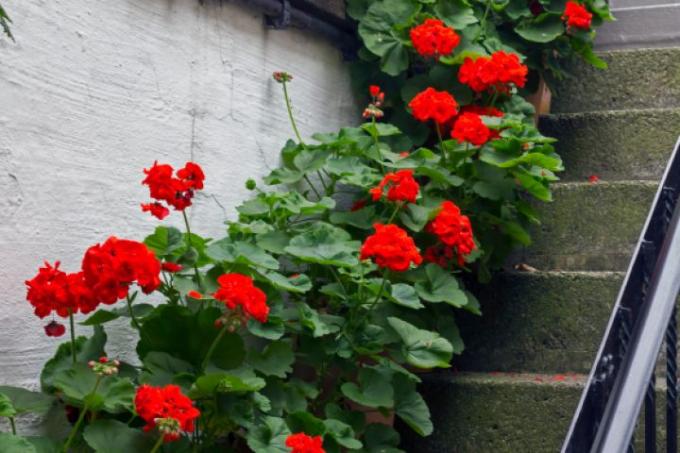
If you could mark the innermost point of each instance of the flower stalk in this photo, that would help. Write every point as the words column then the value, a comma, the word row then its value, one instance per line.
column 81, row 417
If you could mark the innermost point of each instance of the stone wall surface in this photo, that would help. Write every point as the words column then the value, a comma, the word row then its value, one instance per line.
column 95, row 90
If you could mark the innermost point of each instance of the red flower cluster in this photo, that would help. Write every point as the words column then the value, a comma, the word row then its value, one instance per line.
column 454, row 231
column 577, row 16
column 434, row 39
column 391, row 248
column 53, row 290
column 482, row 111
column 302, row 443
column 497, row 71
column 238, row 290
column 167, row 408
column 176, row 191
column 430, row 104
column 401, row 186
column 470, row 128
column 110, row 268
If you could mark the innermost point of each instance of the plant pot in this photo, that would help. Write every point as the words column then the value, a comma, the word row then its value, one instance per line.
column 540, row 99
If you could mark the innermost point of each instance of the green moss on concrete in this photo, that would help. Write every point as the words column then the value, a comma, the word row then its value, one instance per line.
column 615, row 145
column 640, row 78
column 497, row 413
column 589, row 226
column 545, row 322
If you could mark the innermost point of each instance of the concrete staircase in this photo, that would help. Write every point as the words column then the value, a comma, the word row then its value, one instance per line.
column 516, row 387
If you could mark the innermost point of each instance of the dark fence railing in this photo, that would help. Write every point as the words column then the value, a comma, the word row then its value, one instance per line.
column 623, row 376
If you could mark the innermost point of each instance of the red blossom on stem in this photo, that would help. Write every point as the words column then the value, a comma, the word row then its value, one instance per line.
column 470, row 128
column 498, row 71
column 176, row 191
column 391, row 248
column 166, row 408
column 434, row 39
column 237, row 290
column 454, row 230
column 430, row 104
column 302, row 443
column 400, row 185
column 577, row 16
column 54, row 291
column 171, row 267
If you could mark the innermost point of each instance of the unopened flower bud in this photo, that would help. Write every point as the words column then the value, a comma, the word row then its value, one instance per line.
column 282, row 77
column 250, row 184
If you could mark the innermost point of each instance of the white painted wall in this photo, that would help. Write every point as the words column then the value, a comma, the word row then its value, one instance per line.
column 95, row 90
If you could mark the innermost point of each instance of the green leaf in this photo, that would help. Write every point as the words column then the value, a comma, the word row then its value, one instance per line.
column 406, row 296
column 188, row 336
column 9, row 443
column 112, row 436
column 6, row 407
column 325, row 244
column 317, row 323
column 87, row 349
column 273, row 329
column 455, row 13
column 422, row 348
column 25, row 401
column 44, row 444
column 415, row 217
column 298, row 283
column 269, row 436
column 342, row 433
column 545, row 28
column 164, row 241
column 489, row 190
column 411, row 407
column 114, row 394
column 100, row 317
column 381, row 439
column 304, row 422
column 373, row 389
column 362, row 218
column 440, row 286
column 274, row 242
column 532, row 185
column 241, row 252
column 210, row 384
column 381, row 129
column 161, row 368
column 275, row 360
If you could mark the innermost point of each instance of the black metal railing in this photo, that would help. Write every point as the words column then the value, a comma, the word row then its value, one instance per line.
column 623, row 376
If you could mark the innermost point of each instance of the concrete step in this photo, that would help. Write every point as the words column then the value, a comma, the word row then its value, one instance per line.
column 497, row 412
column 635, row 79
column 507, row 413
column 614, row 145
column 591, row 227
column 541, row 322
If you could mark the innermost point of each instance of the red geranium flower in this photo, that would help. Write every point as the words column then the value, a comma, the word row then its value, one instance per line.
column 53, row 290
column 576, row 15
column 470, row 128
column 374, row 90
column 176, row 191
column 195, row 294
column 237, row 290
column 498, row 71
column 166, row 408
column 55, row 329
column 391, row 248
column 302, row 443
column 110, row 268
column 401, row 186
column 434, row 39
column 454, row 231
column 156, row 209
column 593, row 179
column 430, row 104
column 171, row 267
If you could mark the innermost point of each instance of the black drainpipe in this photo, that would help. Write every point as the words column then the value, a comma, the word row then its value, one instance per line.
column 305, row 15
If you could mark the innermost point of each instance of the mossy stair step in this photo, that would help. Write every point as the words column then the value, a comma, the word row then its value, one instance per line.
column 589, row 226
column 614, row 145
column 506, row 413
column 635, row 79
column 541, row 322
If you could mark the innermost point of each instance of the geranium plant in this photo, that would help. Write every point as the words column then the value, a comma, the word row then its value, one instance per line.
column 305, row 327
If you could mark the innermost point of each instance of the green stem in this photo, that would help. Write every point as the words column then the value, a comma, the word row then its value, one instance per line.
column 377, row 297
column 132, row 315
column 493, row 98
column 377, row 145
column 482, row 23
column 441, row 142
column 186, row 223
column 157, row 445
column 290, row 114
column 316, row 192
column 81, row 417
column 394, row 213
column 13, row 425
column 212, row 347
column 73, row 335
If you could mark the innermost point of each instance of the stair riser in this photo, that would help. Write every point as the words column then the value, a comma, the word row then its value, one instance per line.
column 537, row 322
column 589, row 227
column 635, row 79
column 620, row 145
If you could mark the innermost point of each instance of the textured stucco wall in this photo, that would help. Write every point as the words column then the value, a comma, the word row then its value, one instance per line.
column 95, row 90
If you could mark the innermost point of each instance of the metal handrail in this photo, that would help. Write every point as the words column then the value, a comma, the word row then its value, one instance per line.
column 622, row 376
